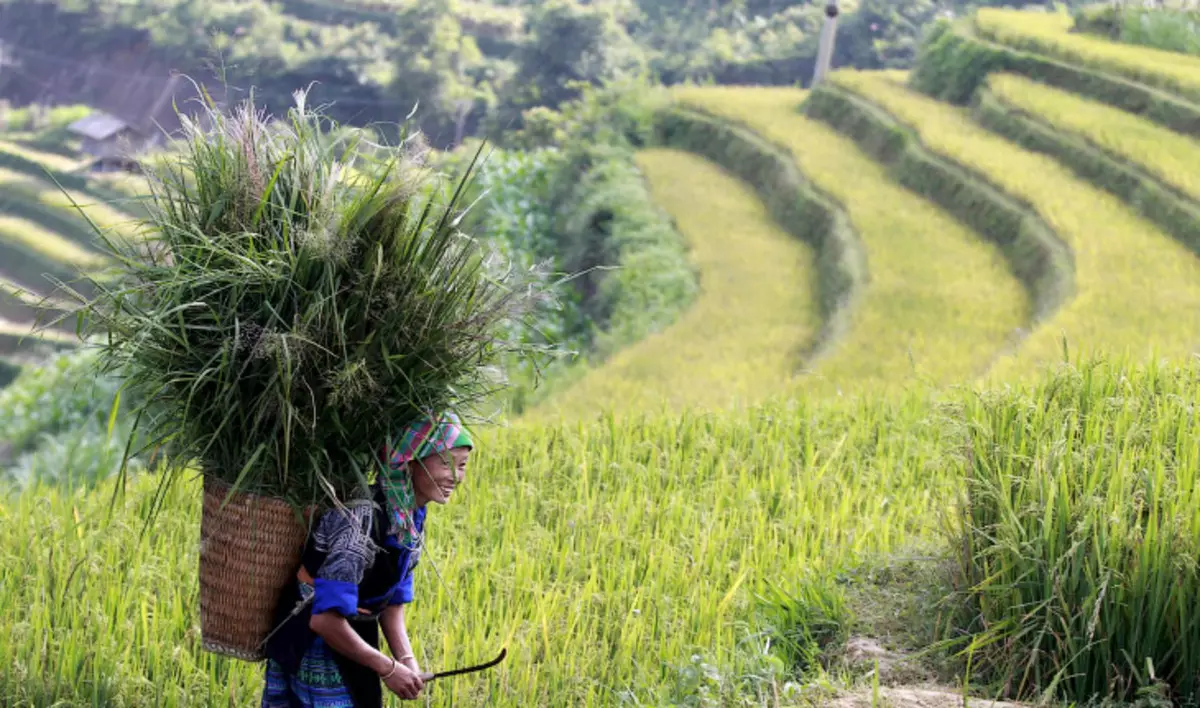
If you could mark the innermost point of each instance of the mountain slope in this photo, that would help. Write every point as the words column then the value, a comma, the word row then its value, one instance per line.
column 939, row 303
column 738, row 342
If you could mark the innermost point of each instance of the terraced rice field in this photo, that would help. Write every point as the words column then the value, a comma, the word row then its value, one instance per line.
column 52, row 161
column 1170, row 156
column 1138, row 290
column 47, row 243
column 1048, row 33
column 603, row 557
column 940, row 303
column 737, row 342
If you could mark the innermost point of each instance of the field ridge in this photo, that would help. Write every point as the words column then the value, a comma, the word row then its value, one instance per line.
column 794, row 202
column 1168, row 206
column 744, row 335
column 1036, row 254
column 1117, row 252
column 954, row 62
column 939, row 302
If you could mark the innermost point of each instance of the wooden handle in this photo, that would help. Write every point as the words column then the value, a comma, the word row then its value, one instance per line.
column 426, row 677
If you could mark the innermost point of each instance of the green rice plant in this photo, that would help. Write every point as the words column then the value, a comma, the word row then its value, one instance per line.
column 739, row 341
column 1048, row 33
column 1079, row 535
column 285, row 311
column 1169, row 156
column 1116, row 253
column 603, row 556
column 805, row 622
column 940, row 303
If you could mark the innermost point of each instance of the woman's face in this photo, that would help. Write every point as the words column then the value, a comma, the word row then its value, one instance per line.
column 435, row 477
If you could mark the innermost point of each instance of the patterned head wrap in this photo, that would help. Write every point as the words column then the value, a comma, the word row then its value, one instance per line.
column 417, row 441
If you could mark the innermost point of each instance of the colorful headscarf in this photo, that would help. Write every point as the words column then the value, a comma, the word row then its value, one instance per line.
column 417, row 441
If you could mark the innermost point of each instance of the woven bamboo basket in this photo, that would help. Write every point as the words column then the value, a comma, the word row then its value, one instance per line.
column 249, row 551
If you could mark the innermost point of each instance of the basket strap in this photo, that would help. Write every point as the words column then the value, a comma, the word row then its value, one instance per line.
column 304, row 602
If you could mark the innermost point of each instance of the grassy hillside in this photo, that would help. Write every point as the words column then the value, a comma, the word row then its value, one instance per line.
column 1169, row 156
column 1048, row 33
column 939, row 303
column 49, row 214
column 739, row 342
column 1116, row 253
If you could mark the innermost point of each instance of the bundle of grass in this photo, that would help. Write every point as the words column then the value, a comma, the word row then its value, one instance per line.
column 291, row 304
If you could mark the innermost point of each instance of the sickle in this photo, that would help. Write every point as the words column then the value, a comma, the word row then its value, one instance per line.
column 426, row 677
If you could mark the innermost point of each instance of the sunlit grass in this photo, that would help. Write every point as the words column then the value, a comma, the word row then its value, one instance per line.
column 1047, row 33
column 1138, row 290
column 740, row 341
column 603, row 557
column 1172, row 157
column 939, row 304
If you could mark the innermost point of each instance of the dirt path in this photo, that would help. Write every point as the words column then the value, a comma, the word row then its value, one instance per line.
column 916, row 698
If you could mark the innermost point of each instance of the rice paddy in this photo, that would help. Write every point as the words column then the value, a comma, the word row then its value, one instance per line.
column 738, row 342
column 1170, row 156
column 1116, row 253
column 47, row 243
column 940, row 303
column 1047, row 33
column 624, row 541
column 599, row 555
column 52, row 161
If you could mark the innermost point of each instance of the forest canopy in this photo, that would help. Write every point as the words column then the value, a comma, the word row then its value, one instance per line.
column 471, row 67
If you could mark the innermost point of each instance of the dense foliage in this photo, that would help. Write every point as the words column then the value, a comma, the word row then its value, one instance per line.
column 1080, row 537
column 473, row 67
column 1172, row 28
column 57, row 424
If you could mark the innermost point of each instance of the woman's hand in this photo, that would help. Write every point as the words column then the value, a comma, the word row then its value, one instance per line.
column 404, row 682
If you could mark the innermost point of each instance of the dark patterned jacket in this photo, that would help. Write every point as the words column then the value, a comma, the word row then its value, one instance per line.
column 356, row 561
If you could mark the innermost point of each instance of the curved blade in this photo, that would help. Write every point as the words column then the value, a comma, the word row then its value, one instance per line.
column 469, row 669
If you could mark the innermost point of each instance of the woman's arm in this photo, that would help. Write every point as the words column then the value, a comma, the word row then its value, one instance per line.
column 392, row 622
column 337, row 632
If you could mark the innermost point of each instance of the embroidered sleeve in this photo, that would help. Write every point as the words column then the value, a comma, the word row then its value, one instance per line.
column 344, row 535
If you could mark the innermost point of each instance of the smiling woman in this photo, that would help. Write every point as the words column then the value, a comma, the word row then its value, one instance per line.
column 356, row 577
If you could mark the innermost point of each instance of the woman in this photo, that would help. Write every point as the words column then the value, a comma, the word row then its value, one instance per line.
column 355, row 578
